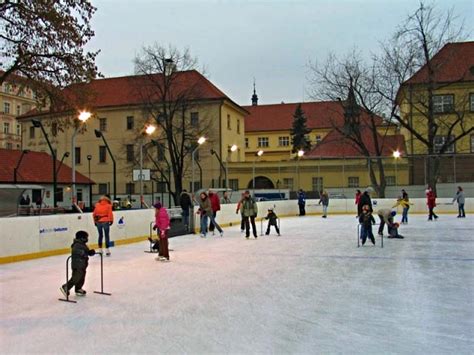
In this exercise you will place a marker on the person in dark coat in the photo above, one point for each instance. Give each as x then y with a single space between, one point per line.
302 202
186 204
431 203
324 199
79 261
366 220
272 221
365 200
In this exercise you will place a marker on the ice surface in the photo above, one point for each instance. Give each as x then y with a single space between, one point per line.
309 291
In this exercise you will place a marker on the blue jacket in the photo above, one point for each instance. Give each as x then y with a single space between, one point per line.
301 198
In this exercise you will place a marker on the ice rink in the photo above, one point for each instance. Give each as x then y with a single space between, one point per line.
310 291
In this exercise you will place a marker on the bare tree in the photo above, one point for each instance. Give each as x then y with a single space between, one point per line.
362 126
44 41
170 89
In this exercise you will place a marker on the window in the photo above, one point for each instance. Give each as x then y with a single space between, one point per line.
102 124
195 119
6 107
238 126
161 187
234 184
6 127
390 180
18 110
9 146
318 139
228 122
32 132
54 129
130 122
288 183
77 154
263 141
130 152
18 130
471 102
353 181
246 142
102 154
284 141
130 188
103 189
443 103
59 194
317 183
472 143
442 141
80 196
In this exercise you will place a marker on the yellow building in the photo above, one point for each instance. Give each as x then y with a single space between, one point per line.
16 98
120 113
453 113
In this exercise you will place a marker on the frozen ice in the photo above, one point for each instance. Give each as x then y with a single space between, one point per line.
309 291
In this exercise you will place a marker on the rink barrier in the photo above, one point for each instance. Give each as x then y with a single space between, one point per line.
31 237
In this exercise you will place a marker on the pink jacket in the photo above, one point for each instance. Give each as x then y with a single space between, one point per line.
162 220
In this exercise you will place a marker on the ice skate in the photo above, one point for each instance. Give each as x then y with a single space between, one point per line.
107 252
99 251
80 292
203 235
64 290
221 234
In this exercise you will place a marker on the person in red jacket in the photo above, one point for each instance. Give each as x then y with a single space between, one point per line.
162 223
216 206
103 219
431 202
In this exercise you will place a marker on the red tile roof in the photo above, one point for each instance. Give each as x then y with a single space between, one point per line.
131 90
454 62
334 145
279 117
36 167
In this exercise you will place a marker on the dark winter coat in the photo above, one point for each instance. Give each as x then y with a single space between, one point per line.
80 253
272 218
185 201
249 207
324 199
366 219
364 200
301 198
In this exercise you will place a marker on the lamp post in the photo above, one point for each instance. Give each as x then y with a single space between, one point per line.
65 155
300 154
200 142
81 119
39 124
149 129
257 155
213 152
99 134
230 150
15 171
396 155
89 158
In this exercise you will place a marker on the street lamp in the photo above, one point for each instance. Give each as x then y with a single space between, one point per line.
149 130
39 124
89 158
65 155
81 119
15 171
231 149
99 134
200 142
299 155
257 155
396 154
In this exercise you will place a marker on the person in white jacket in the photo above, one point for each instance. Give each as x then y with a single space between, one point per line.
460 199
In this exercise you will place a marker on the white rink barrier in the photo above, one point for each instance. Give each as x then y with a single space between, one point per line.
23 238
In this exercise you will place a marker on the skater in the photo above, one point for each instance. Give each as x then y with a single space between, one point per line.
249 210
365 200
103 219
324 199
386 217
186 204
162 223
205 209
366 220
459 198
225 198
216 206
79 261
431 203
358 194
404 202
301 202
272 221
239 208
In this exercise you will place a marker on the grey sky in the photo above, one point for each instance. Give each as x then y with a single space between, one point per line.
237 40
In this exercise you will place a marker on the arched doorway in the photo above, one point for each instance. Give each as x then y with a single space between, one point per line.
261 182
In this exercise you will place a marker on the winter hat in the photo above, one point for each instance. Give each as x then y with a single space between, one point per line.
82 235
270 209
393 213
369 189
157 205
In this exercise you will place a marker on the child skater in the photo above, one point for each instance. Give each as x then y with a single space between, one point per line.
272 221
366 220
162 223
79 261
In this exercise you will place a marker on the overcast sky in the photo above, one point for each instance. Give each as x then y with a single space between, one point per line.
237 40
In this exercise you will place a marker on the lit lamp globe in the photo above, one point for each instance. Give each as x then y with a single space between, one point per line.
84 116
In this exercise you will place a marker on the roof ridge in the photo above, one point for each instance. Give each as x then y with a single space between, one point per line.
293 103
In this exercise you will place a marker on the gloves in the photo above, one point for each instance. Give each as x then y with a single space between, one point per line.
154 227
91 252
